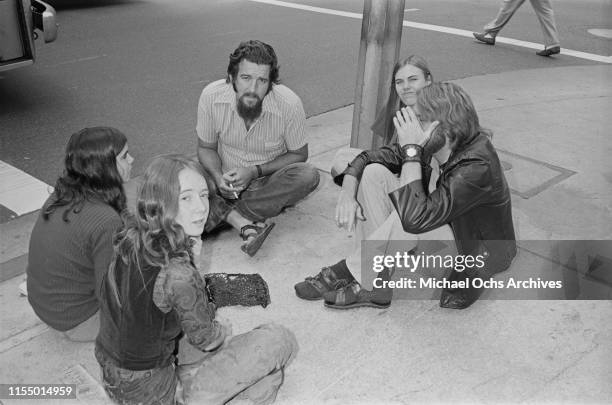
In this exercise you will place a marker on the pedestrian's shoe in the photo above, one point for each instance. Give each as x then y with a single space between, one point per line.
549 51
460 298
484 37
353 296
254 239
328 279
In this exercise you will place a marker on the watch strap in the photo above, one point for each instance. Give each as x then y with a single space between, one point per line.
412 153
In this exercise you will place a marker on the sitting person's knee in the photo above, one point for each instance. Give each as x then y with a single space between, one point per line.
305 175
374 172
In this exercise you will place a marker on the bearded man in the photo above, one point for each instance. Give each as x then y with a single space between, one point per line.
252 143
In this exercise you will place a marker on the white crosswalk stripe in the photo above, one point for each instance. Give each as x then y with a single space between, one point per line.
20 192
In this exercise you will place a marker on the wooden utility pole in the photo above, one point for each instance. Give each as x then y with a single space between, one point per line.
381 36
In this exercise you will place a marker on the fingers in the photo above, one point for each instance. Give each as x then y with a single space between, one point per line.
399 116
360 215
229 177
396 124
432 127
337 214
409 114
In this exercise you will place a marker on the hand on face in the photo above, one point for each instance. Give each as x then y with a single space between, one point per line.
409 129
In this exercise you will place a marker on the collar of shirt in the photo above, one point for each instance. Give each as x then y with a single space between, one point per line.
270 104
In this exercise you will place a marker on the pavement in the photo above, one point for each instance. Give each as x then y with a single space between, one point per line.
552 131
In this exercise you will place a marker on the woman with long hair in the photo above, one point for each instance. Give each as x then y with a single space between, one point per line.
71 243
153 295
363 204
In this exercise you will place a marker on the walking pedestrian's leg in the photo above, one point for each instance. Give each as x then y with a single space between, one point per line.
546 16
254 359
504 15
268 196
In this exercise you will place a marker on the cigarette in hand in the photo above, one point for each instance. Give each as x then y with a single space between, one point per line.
235 193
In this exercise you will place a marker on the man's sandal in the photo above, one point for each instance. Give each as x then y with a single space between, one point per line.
254 240
312 288
353 296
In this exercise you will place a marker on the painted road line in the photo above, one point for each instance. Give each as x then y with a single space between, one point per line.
439 28
20 192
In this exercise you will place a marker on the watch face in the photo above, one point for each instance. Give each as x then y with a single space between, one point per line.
411 152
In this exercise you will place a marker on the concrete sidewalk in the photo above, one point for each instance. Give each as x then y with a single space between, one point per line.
552 127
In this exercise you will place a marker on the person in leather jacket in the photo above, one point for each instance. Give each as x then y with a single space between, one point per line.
471 198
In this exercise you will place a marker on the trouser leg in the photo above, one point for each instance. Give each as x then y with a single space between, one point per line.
373 195
504 15
546 16
268 196
254 359
342 158
219 208
390 238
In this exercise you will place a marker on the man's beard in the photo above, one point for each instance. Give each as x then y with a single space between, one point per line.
249 112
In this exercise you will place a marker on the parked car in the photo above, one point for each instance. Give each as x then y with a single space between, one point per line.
18 21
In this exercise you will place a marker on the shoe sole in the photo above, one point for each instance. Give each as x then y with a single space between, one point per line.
484 41
309 299
358 305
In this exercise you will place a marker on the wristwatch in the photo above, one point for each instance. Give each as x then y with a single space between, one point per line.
412 153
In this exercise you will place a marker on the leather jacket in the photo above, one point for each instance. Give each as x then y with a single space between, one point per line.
471 195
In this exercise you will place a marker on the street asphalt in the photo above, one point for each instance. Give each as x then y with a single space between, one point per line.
551 129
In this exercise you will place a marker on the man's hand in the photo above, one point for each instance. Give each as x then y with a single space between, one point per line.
348 211
226 189
241 176
408 127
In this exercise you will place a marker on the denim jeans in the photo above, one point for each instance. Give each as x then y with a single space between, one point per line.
130 387
249 368
266 196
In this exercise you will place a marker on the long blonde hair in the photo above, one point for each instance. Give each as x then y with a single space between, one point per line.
152 236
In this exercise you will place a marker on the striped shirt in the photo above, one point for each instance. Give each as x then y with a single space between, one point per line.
281 127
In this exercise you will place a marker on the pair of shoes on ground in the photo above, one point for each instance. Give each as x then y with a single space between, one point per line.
254 236
338 292
489 39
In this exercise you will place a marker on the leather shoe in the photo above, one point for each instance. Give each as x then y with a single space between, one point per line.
484 37
460 298
550 51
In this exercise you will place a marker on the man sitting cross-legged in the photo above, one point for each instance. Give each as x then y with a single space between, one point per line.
252 143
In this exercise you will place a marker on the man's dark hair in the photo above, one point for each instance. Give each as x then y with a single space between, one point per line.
256 52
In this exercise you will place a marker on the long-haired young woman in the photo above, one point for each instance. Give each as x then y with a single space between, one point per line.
71 243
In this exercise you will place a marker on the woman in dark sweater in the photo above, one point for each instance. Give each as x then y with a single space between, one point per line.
71 243
153 294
